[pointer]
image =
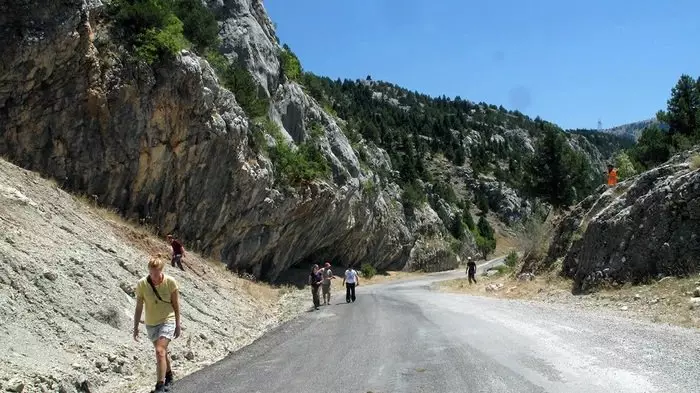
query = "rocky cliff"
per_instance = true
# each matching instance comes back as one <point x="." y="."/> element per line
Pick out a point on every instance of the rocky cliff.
<point x="169" y="146"/>
<point x="643" y="229"/>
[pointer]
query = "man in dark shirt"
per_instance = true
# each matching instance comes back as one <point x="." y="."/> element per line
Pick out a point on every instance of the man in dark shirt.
<point x="315" y="280"/>
<point x="471" y="270"/>
<point x="178" y="252"/>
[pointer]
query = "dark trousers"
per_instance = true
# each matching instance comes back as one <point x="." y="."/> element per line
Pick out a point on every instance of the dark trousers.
<point x="314" y="294"/>
<point x="472" y="277"/>
<point x="177" y="258"/>
<point x="349" y="292"/>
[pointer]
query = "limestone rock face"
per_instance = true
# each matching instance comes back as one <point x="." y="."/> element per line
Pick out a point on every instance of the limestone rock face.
<point x="170" y="147"/>
<point x="644" y="228"/>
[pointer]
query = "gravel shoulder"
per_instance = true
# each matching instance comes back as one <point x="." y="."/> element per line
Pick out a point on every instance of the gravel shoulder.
<point x="668" y="301"/>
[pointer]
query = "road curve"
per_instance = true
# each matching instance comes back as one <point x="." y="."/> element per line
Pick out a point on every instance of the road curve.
<point x="404" y="337"/>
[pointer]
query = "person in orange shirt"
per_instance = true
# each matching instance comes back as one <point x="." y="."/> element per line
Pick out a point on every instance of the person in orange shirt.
<point x="612" y="175"/>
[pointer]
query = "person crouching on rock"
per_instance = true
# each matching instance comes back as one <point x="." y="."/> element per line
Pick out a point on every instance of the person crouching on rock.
<point x="315" y="280"/>
<point x="158" y="292"/>
<point x="178" y="252"/>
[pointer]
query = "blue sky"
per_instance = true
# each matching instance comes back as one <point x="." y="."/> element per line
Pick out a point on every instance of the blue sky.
<point x="571" y="62"/>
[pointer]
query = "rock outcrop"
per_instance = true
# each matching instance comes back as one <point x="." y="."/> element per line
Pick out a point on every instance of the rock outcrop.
<point x="642" y="229"/>
<point x="170" y="147"/>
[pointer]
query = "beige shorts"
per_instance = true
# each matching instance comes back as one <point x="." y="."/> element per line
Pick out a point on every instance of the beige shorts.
<point x="165" y="330"/>
<point x="326" y="289"/>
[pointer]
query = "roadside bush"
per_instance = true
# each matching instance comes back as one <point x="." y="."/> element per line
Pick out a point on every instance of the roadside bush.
<point x="368" y="271"/>
<point x="512" y="259"/>
<point x="485" y="245"/>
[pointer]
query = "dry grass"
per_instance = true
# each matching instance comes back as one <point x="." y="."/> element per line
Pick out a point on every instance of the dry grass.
<point x="505" y="242"/>
<point x="695" y="161"/>
<point x="666" y="301"/>
<point x="512" y="289"/>
<point x="534" y="240"/>
<point x="389" y="276"/>
<point x="145" y="238"/>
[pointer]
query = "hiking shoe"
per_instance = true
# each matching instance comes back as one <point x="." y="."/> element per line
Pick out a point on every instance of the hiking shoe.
<point x="160" y="388"/>
<point x="168" y="378"/>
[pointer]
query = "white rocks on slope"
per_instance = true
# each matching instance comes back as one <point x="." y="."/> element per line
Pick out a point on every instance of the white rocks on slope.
<point x="66" y="296"/>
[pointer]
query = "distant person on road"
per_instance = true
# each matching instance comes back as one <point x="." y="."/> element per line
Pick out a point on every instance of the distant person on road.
<point x="178" y="252"/>
<point x="326" y="285"/>
<point x="612" y="175"/>
<point x="158" y="292"/>
<point x="351" y="280"/>
<point x="315" y="280"/>
<point x="471" y="270"/>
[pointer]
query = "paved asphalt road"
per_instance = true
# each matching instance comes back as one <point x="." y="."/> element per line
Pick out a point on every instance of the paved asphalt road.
<point x="403" y="337"/>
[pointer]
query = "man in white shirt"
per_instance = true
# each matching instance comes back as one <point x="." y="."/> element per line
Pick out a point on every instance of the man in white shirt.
<point x="351" y="280"/>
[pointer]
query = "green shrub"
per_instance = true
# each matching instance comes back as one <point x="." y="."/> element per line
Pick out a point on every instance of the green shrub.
<point x="445" y="191"/>
<point x="457" y="227"/>
<point x="257" y="131"/>
<point x="155" y="44"/>
<point x="369" y="188"/>
<point x="412" y="196"/>
<point x="368" y="271"/>
<point x="455" y="246"/>
<point x="157" y="29"/>
<point x="485" y="246"/>
<point x="200" y="26"/>
<point x="512" y="259"/>
<point x="305" y="164"/>
<point x="501" y="269"/>
<point x="293" y="167"/>
<point x="485" y="228"/>
<point x="625" y="168"/>
<point x="468" y="219"/>
<point x="238" y="79"/>
<point x="150" y="27"/>
<point x="316" y="131"/>
<point x="291" y="66"/>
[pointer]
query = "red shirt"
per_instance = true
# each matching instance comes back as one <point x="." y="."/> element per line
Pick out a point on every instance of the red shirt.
<point x="177" y="247"/>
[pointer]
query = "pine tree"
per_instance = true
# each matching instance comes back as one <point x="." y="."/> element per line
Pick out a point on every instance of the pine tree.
<point x="485" y="228"/>
<point x="683" y="114"/>
<point x="554" y="169"/>
<point x="468" y="219"/>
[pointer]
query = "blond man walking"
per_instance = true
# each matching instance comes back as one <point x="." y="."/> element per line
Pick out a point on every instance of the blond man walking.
<point x="158" y="292"/>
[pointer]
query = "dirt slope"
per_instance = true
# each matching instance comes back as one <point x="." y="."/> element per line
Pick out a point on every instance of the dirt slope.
<point x="67" y="272"/>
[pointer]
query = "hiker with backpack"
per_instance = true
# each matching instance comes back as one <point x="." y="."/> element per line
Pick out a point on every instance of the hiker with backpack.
<point x="158" y="294"/>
